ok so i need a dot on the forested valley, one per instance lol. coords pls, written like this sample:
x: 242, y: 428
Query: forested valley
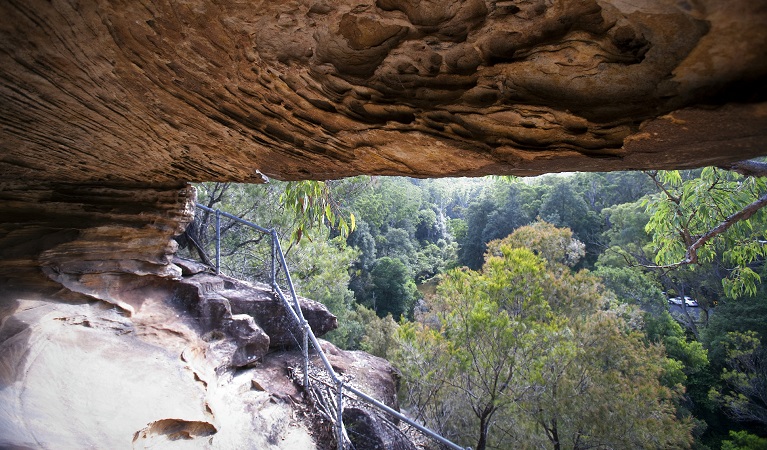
x: 558, y: 312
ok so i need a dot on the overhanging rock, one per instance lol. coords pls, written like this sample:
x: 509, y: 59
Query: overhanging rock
x: 123, y: 91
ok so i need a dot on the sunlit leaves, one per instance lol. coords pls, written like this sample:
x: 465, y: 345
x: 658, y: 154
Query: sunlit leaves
x: 536, y: 358
x: 314, y: 204
x: 694, y: 220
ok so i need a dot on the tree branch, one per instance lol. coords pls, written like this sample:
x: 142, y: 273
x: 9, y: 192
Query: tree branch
x: 691, y: 257
x: 748, y: 168
x: 654, y: 177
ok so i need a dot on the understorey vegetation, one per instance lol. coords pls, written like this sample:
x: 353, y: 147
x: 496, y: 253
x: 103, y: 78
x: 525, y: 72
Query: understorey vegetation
x: 575, y: 311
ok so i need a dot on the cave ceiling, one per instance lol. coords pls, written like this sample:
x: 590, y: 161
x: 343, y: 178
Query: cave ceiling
x: 152, y: 92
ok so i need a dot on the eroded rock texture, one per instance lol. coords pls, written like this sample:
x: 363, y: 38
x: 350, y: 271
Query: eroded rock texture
x: 202, y: 90
x: 98, y: 240
x: 106, y: 342
x: 83, y: 375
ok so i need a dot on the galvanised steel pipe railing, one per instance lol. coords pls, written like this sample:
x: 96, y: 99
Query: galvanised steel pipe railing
x: 294, y: 309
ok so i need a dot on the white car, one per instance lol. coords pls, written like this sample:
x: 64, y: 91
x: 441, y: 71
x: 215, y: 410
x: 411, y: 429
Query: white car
x: 690, y: 301
x: 675, y: 301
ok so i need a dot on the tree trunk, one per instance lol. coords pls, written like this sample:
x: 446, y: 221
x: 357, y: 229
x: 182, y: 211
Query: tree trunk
x: 555, y: 437
x: 484, y: 425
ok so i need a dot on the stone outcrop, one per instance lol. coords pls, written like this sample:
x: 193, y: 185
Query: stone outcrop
x: 249, y: 314
x: 99, y: 240
x: 105, y: 342
x: 123, y: 91
x: 368, y: 432
x: 81, y: 374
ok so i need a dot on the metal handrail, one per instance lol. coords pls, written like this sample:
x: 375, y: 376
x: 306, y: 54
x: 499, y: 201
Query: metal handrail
x: 278, y: 257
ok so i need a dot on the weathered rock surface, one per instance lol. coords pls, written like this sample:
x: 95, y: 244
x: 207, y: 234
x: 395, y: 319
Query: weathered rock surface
x: 368, y: 432
x: 127, y: 91
x: 271, y: 315
x: 366, y: 372
x: 102, y: 241
x: 83, y: 375
x: 367, y: 427
x: 105, y: 343
x: 249, y: 313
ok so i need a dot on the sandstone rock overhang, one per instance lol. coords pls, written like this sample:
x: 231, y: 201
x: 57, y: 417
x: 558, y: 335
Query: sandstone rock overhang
x: 157, y: 92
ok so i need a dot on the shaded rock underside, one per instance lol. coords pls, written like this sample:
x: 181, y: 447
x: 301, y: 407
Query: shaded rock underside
x: 230, y: 90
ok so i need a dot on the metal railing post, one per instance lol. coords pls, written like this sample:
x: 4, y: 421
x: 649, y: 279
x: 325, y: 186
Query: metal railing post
x: 307, y: 329
x: 274, y: 259
x: 218, y: 242
x: 340, y: 418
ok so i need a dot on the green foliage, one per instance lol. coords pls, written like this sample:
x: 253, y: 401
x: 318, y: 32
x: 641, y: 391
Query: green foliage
x: 408, y: 231
x: 627, y: 241
x: 320, y: 271
x: 390, y: 202
x: 554, y: 245
x: 403, y: 219
x: 605, y: 391
x: 745, y: 378
x: 634, y: 287
x: 688, y: 208
x: 742, y: 315
x: 489, y: 329
x: 562, y: 206
x: 352, y: 332
x: 393, y: 288
x: 495, y: 214
x: 380, y: 336
x: 313, y: 204
x: 459, y: 229
x: 527, y: 346
x: 472, y: 249
x: 743, y: 440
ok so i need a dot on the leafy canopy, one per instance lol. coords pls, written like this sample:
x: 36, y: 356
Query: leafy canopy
x: 697, y: 219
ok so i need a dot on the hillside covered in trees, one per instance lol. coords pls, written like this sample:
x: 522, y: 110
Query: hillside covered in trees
x: 562, y: 312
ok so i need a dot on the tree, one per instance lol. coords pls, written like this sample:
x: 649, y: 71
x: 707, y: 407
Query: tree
x: 320, y: 270
x: 496, y: 213
x: 564, y: 206
x: 394, y: 291
x: 389, y: 202
x: 556, y: 246
x: 472, y: 249
x: 735, y: 316
x: 634, y: 287
x: 625, y: 236
x: 245, y: 253
x: 743, y: 440
x: 489, y: 322
x: 292, y: 209
x: 537, y: 356
x: 600, y: 388
x: 314, y: 204
x: 745, y: 377
x: 694, y: 219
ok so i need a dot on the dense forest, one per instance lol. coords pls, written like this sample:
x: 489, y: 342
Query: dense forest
x: 567, y: 311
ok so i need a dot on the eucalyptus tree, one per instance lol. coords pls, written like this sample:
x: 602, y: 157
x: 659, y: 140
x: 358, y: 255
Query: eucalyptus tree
x: 537, y: 355
x: 716, y: 214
